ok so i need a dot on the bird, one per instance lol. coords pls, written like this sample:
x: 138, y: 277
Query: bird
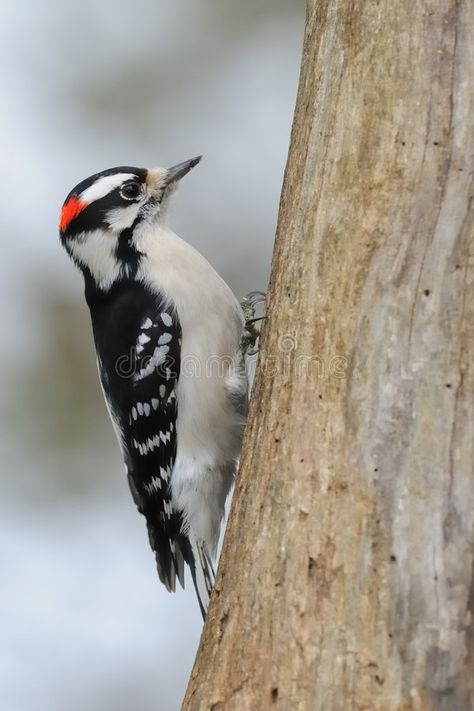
x: 167, y: 331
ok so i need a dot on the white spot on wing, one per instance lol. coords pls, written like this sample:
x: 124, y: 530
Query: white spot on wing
x: 166, y: 318
x: 164, y: 338
x: 168, y: 507
x: 155, y: 403
x: 158, y: 357
x: 154, y: 485
x: 149, y: 445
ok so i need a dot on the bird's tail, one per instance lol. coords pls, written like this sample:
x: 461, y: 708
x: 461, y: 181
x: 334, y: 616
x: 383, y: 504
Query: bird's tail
x: 202, y: 571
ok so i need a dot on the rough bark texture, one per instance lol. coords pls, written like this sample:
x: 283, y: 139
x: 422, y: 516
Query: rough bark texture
x: 346, y: 580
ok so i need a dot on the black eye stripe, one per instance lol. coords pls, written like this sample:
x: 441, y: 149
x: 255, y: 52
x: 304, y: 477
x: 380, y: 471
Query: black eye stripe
x: 94, y: 216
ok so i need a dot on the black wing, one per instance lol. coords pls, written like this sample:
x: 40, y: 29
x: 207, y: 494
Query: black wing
x: 150, y: 434
x: 139, y: 365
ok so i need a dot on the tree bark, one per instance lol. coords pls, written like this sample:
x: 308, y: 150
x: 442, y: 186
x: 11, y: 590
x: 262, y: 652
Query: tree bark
x: 346, y: 579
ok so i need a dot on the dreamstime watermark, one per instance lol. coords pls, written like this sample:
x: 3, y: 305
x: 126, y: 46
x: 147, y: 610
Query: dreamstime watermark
x: 287, y: 361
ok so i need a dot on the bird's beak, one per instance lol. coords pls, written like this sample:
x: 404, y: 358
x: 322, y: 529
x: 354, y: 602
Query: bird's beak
x: 176, y: 172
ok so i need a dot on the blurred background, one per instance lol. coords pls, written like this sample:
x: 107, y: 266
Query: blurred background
x: 84, y: 622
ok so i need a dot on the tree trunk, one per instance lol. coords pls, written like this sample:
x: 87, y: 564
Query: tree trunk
x: 346, y: 579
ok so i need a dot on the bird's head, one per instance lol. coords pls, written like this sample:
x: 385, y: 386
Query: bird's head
x: 103, y: 213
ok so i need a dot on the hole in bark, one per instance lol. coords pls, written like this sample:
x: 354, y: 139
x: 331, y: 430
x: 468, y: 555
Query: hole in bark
x: 274, y: 694
x: 320, y: 397
x: 379, y: 680
x: 448, y: 385
x: 458, y: 266
x: 435, y: 143
x: 223, y: 624
x: 426, y: 292
x: 311, y: 566
x: 393, y: 558
x: 376, y: 469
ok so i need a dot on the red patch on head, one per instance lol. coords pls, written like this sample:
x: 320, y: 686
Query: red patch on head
x: 70, y: 210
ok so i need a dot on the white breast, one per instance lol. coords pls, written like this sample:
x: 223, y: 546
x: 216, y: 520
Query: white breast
x: 209, y: 428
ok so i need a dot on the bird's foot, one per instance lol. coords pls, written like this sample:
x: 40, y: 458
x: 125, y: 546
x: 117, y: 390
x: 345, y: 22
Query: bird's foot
x: 250, y: 306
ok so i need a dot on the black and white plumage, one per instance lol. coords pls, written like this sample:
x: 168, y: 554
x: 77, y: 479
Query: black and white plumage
x: 167, y: 331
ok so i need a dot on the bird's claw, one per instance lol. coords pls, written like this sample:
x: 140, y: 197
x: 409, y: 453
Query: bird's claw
x: 251, y: 333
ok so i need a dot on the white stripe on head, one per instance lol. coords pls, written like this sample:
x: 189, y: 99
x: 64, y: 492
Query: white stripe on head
x: 103, y: 186
x: 119, y: 218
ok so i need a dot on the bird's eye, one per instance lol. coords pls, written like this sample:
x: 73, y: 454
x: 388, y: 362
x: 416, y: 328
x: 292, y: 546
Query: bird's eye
x: 130, y: 191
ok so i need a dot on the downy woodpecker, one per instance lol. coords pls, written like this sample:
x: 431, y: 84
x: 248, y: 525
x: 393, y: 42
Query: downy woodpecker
x: 167, y: 330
